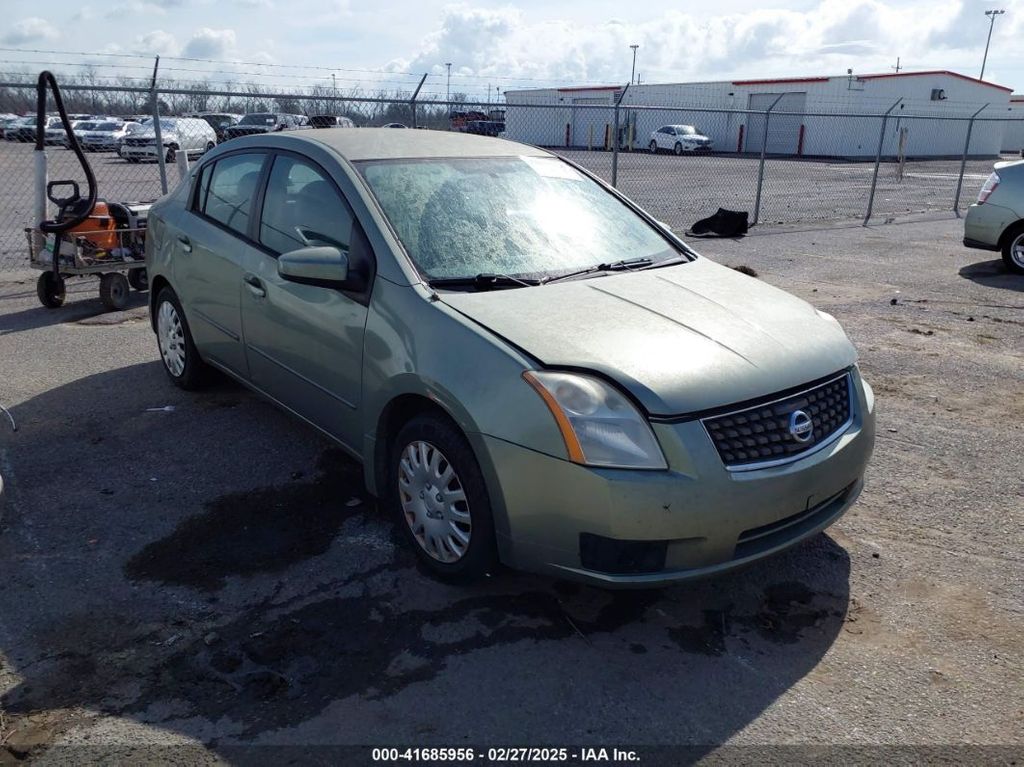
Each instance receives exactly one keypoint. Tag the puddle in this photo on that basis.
(260, 530)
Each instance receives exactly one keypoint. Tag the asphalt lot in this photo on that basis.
(679, 190)
(198, 571)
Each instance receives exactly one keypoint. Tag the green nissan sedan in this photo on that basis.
(531, 369)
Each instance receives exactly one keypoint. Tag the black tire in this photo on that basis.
(678, 148)
(138, 279)
(480, 556)
(50, 290)
(653, 146)
(1014, 262)
(114, 290)
(210, 145)
(195, 373)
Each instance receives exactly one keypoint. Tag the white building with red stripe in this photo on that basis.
(928, 114)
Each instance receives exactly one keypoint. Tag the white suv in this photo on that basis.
(191, 135)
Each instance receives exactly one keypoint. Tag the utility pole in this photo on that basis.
(448, 91)
(991, 23)
(897, 67)
(632, 74)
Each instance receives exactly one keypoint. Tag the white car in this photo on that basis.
(679, 139)
(103, 137)
(191, 135)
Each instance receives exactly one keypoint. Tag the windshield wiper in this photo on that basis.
(623, 265)
(484, 281)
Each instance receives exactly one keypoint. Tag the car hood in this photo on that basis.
(681, 339)
(248, 130)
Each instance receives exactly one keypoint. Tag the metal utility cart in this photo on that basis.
(110, 243)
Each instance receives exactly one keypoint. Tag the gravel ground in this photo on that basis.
(214, 576)
(679, 190)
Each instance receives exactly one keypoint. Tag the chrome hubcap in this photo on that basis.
(1017, 251)
(171, 337)
(434, 502)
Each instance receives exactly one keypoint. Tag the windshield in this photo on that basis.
(85, 126)
(258, 119)
(686, 130)
(526, 216)
(107, 127)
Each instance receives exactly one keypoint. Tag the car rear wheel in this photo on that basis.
(440, 499)
(174, 339)
(678, 148)
(654, 147)
(1013, 251)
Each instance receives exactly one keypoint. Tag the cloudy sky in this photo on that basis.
(531, 42)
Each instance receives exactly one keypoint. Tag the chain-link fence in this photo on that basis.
(681, 164)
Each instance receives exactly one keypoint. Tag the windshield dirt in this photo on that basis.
(506, 215)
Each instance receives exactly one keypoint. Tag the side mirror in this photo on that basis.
(324, 266)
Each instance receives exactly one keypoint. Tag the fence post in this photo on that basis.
(615, 139)
(760, 168)
(155, 103)
(963, 160)
(878, 160)
(412, 101)
(181, 158)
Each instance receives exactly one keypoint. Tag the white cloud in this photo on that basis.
(209, 43)
(866, 35)
(156, 42)
(30, 30)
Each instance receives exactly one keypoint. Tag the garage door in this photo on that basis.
(588, 123)
(783, 129)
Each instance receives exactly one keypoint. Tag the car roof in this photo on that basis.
(387, 144)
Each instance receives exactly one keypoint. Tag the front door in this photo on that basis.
(304, 343)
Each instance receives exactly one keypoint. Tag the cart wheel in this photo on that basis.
(50, 289)
(138, 279)
(114, 290)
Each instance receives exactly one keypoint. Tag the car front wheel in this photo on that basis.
(654, 147)
(440, 499)
(678, 148)
(1013, 252)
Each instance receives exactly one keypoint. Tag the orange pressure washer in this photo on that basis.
(88, 236)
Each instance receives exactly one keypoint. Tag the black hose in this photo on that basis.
(56, 227)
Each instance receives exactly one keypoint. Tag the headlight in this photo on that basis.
(599, 425)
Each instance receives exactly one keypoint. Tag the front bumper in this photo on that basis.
(984, 225)
(144, 152)
(627, 528)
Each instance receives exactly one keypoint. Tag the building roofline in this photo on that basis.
(782, 80)
(934, 72)
(590, 88)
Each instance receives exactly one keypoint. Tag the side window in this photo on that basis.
(232, 187)
(302, 208)
(202, 187)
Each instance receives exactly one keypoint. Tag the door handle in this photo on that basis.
(186, 243)
(255, 286)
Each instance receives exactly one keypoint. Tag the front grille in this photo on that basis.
(139, 141)
(768, 432)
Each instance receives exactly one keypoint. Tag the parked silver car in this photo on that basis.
(103, 136)
(529, 367)
(192, 135)
(996, 220)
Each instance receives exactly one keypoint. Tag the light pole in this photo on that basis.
(448, 92)
(632, 74)
(991, 23)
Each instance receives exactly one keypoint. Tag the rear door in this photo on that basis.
(209, 251)
(304, 342)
